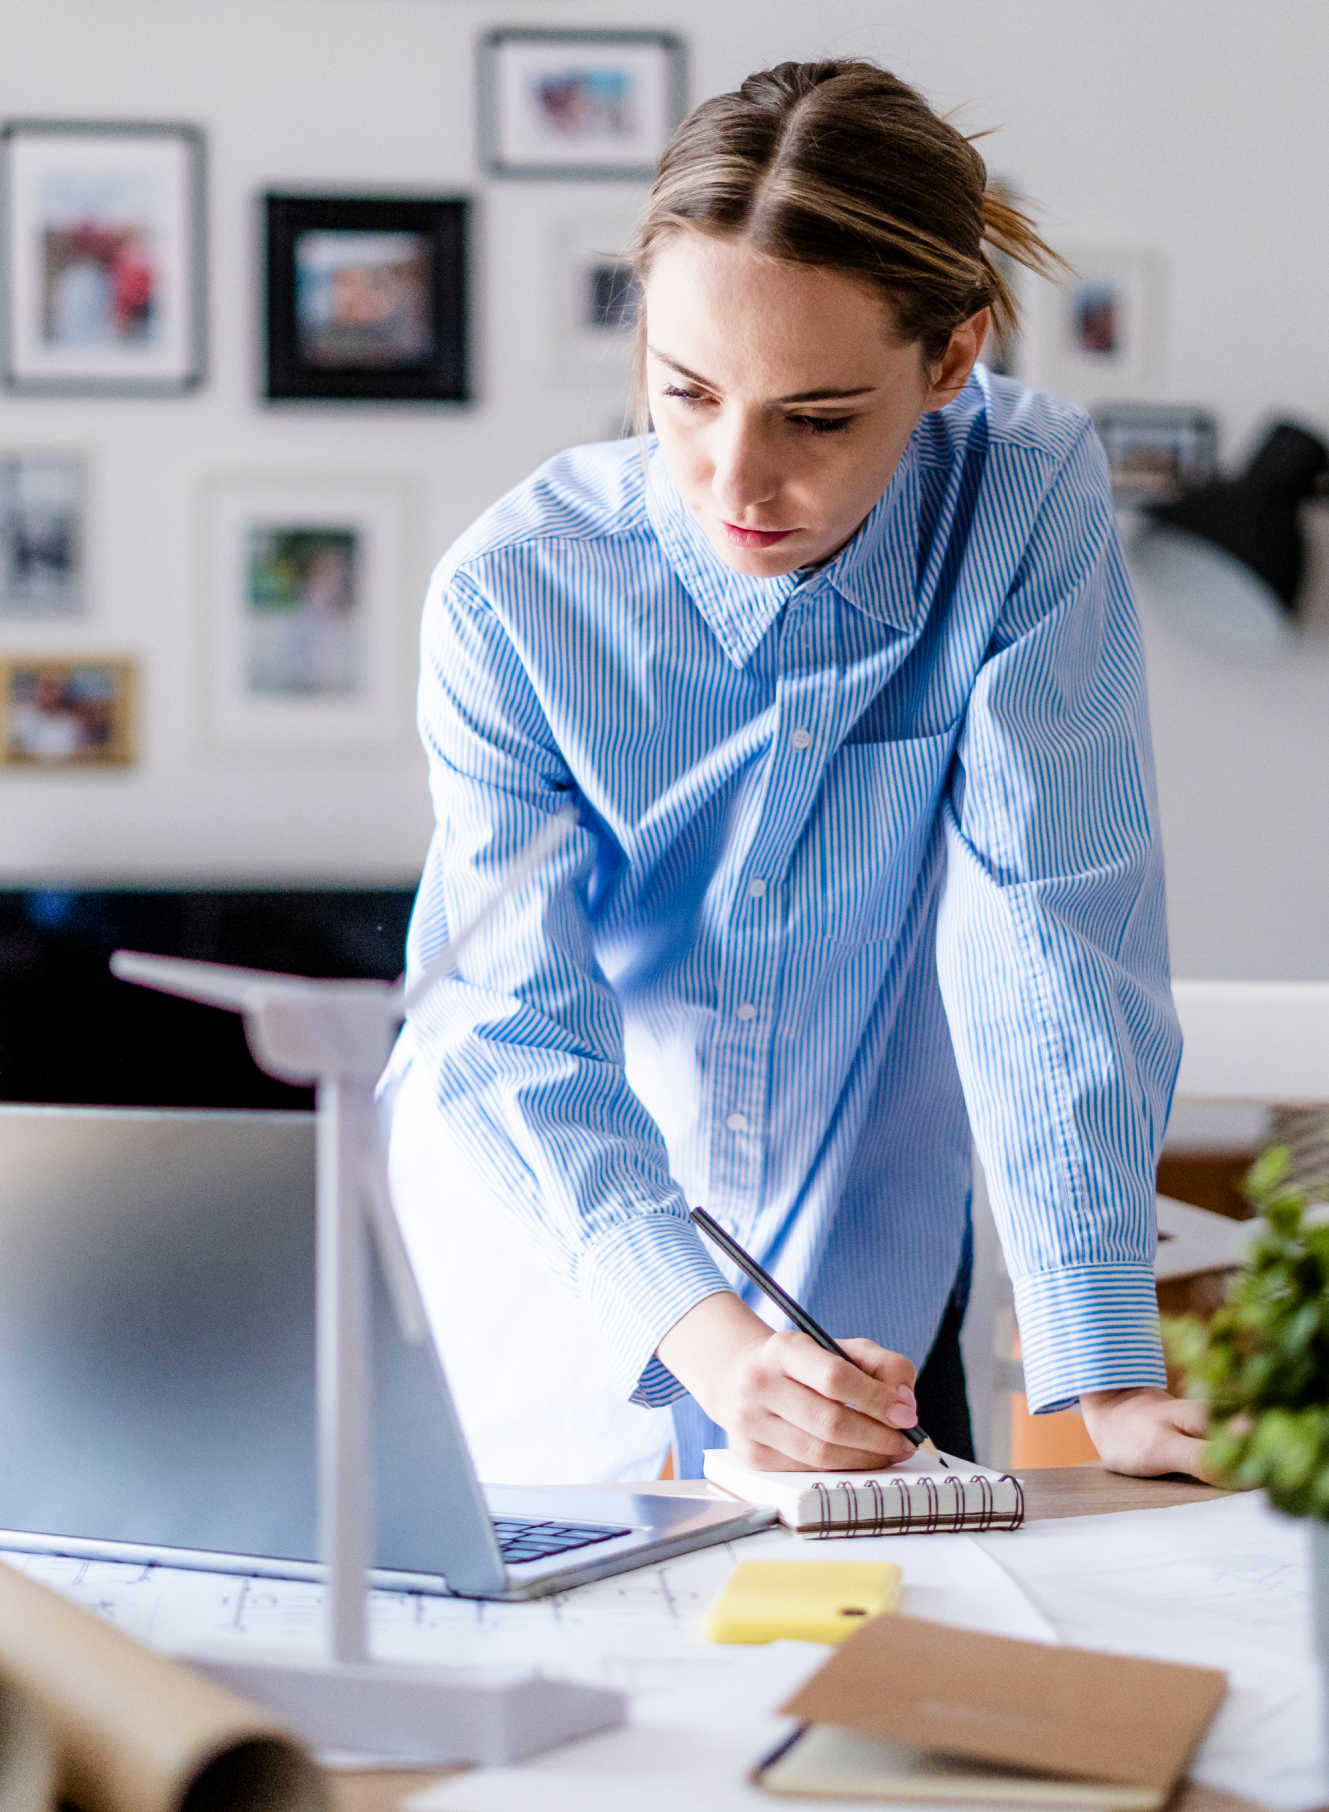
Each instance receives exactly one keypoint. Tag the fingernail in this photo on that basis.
(905, 1412)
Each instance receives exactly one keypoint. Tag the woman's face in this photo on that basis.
(782, 400)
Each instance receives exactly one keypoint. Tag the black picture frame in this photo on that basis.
(440, 372)
(171, 161)
(661, 57)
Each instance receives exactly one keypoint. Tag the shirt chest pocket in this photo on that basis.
(857, 864)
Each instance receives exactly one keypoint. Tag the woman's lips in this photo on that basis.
(751, 537)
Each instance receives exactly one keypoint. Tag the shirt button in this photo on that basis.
(737, 1123)
(801, 739)
(757, 889)
(747, 1010)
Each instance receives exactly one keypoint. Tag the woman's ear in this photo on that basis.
(952, 374)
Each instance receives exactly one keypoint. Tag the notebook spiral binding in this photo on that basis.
(896, 1515)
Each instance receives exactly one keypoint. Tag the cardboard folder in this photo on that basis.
(917, 1711)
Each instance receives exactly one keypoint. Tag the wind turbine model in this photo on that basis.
(337, 1035)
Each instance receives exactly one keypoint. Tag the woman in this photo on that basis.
(843, 676)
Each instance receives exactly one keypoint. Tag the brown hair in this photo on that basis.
(843, 166)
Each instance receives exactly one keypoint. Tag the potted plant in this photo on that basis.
(1262, 1364)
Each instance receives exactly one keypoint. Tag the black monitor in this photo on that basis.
(71, 1033)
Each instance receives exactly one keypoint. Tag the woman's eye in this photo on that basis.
(684, 396)
(821, 424)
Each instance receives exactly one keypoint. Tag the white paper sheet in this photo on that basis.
(1223, 1584)
(683, 1751)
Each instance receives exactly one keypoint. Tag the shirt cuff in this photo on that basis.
(638, 1279)
(1088, 1327)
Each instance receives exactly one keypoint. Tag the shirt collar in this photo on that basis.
(739, 609)
(876, 572)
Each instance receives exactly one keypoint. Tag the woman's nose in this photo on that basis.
(745, 475)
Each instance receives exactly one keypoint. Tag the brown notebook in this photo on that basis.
(917, 1711)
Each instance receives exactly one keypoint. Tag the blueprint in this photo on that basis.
(711, 1707)
(621, 1631)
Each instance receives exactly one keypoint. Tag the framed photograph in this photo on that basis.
(102, 258)
(597, 104)
(1107, 324)
(1156, 451)
(65, 711)
(43, 503)
(367, 299)
(597, 296)
(306, 577)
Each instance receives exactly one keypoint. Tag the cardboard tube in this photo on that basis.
(27, 1754)
(133, 1732)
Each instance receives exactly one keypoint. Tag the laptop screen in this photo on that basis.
(157, 1340)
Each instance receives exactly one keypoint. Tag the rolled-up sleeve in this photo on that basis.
(1052, 949)
(525, 1044)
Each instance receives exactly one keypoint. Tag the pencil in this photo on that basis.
(795, 1311)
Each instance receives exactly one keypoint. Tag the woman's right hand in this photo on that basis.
(787, 1404)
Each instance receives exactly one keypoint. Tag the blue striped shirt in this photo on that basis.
(866, 853)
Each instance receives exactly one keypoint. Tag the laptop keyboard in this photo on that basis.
(520, 1540)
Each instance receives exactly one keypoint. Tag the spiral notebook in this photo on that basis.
(917, 1497)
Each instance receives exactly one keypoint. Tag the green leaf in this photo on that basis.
(1266, 1172)
(1262, 1361)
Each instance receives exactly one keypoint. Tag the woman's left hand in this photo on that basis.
(1147, 1432)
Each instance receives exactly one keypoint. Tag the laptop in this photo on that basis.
(157, 1390)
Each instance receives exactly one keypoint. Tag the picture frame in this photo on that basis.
(1106, 324)
(1156, 450)
(579, 104)
(306, 582)
(367, 298)
(43, 533)
(596, 296)
(102, 258)
(67, 712)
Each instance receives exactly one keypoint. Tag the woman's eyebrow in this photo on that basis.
(804, 396)
(682, 370)
(827, 396)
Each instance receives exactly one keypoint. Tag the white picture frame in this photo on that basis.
(599, 105)
(1104, 331)
(102, 280)
(595, 298)
(306, 580)
(43, 534)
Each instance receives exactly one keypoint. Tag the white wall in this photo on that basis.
(1196, 128)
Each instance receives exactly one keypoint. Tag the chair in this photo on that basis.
(1265, 1042)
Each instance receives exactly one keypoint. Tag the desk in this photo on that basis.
(1052, 1492)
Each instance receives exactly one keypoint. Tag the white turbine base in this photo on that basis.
(418, 1715)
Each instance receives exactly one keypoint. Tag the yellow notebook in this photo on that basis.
(802, 1600)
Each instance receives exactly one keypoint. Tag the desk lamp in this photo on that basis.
(337, 1035)
(1227, 558)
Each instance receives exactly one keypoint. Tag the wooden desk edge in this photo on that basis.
(1049, 1492)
